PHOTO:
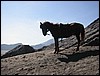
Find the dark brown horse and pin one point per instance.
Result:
(63, 31)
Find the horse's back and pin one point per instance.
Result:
(76, 28)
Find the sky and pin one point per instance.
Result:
(20, 20)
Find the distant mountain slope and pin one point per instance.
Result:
(9, 47)
(6, 47)
(39, 46)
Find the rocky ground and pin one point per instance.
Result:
(67, 62)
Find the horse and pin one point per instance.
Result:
(63, 31)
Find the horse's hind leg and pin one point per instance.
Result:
(56, 45)
(78, 38)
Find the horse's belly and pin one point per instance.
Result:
(64, 35)
(61, 35)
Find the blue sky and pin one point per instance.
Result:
(20, 19)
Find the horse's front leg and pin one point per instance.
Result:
(56, 45)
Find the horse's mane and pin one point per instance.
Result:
(67, 24)
(46, 22)
(51, 23)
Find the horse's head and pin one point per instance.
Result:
(44, 28)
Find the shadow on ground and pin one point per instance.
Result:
(78, 56)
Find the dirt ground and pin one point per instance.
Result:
(67, 62)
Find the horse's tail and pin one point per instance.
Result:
(82, 33)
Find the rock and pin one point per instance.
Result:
(20, 49)
(19, 69)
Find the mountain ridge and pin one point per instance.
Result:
(8, 47)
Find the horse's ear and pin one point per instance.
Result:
(41, 23)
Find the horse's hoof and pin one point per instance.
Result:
(73, 52)
(77, 49)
